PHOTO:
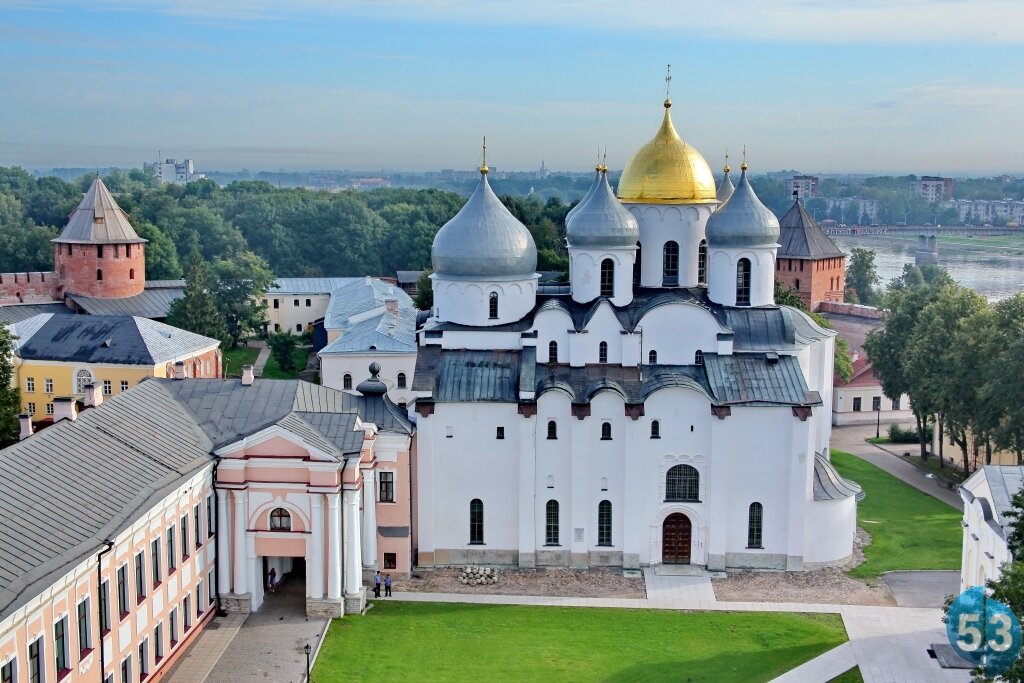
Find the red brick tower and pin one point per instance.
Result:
(808, 261)
(99, 254)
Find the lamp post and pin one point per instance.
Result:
(307, 649)
(878, 423)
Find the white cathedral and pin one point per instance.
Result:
(660, 410)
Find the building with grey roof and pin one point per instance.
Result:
(809, 262)
(988, 500)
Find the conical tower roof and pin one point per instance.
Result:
(98, 220)
(602, 221)
(801, 237)
(743, 221)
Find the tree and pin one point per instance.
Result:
(425, 291)
(1000, 398)
(241, 283)
(787, 296)
(282, 345)
(197, 311)
(10, 394)
(861, 274)
(842, 361)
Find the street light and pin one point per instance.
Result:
(878, 422)
(307, 649)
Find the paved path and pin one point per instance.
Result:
(261, 359)
(203, 654)
(852, 440)
(822, 668)
(922, 589)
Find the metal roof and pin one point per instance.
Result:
(462, 376)
(742, 221)
(98, 219)
(801, 237)
(583, 383)
(150, 303)
(726, 189)
(602, 221)
(586, 195)
(122, 340)
(758, 379)
(309, 285)
(385, 333)
(768, 328)
(360, 297)
(18, 312)
(408, 277)
(830, 485)
(70, 486)
(1003, 482)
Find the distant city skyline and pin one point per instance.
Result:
(914, 86)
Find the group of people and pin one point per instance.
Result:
(377, 582)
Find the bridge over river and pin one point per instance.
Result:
(957, 230)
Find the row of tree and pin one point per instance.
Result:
(959, 358)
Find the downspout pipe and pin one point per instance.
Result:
(217, 541)
(108, 546)
(344, 549)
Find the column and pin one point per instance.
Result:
(353, 558)
(315, 551)
(223, 544)
(333, 547)
(238, 559)
(255, 569)
(370, 519)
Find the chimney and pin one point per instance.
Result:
(64, 409)
(26, 426)
(93, 395)
(247, 376)
(391, 305)
(179, 369)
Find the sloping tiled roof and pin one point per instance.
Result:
(758, 379)
(70, 486)
(360, 297)
(98, 219)
(385, 333)
(153, 302)
(18, 312)
(1003, 482)
(309, 285)
(801, 237)
(830, 485)
(122, 340)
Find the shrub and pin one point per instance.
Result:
(899, 435)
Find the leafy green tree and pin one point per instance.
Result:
(861, 274)
(240, 284)
(1003, 349)
(424, 291)
(161, 256)
(787, 296)
(842, 361)
(10, 394)
(197, 311)
(282, 345)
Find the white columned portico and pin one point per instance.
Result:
(333, 547)
(315, 551)
(353, 557)
(369, 519)
(223, 544)
(239, 562)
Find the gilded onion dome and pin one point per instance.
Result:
(743, 221)
(602, 221)
(667, 171)
(484, 240)
(589, 193)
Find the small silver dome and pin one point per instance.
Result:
(743, 221)
(726, 189)
(587, 196)
(602, 221)
(484, 240)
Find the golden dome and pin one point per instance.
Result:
(667, 171)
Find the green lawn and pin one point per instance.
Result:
(403, 641)
(235, 358)
(909, 528)
(851, 676)
(932, 465)
(273, 371)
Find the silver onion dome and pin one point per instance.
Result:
(602, 221)
(726, 189)
(743, 221)
(588, 195)
(484, 240)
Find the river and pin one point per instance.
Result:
(992, 266)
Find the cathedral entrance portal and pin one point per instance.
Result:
(676, 535)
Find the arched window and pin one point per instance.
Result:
(553, 352)
(82, 377)
(606, 431)
(551, 523)
(99, 273)
(607, 277)
(670, 264)
(401, 380)
(493, 305)
(698, 357)
(280, 520)
(131, 273)
(636, 267)
(604, 522)
(346, 382)
(652, 358)
(682, 483)
(743, 282)
(476, 521)
(655, 429)
(755, 520)
(552, 429)
(602, 352)
(702, 263)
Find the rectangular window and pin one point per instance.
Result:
(48, 385)
(143, 659)
(198, 521)
(174, 627)
(171, 563)
(476, 522)
(104, 608)
(8, 672)
(277, 303)
(604, 523)
(60, 647)
(49, 409)
(551, 523)
(124, 385)
(186, 612)
(390, 560)
(309, 303)
(99, 251)
(31, 408)
(30, 384)
(296, 303)
(184, 537)
(108, 387)
(501, 433)
(154, 554)
(213, 587)
(126, 669)
(387, 487)
(856, 404)
(122, 591)
(876, 403)
(35, 661)
(895, 404)
(140, 577)
(209, 516)
(84, 632)
(200, 605)
(158, 642)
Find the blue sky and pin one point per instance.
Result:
(925, 86)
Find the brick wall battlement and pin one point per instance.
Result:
(28, 288)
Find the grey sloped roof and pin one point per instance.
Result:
(308, 285)
(70, 486)
(801, 237)
(408, 277)
(386, 333)
(805, 326)
(768, 328)
(361, 296)
(98, 219)
(1003, 481)
(830, 485)
(122, 340)
(18, 312)
(750, 379)
(583, 383)
(458, 376)
(25, 329)
(150, 303)
(165, 284)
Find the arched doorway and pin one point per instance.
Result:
(676, 534)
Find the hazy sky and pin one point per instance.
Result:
(926, 86)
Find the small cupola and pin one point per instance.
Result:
(726, 189)
(373, 386)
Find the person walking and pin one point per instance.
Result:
(387, 586)
(376, 584)
(272, 579)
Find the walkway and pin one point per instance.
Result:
(262, 358)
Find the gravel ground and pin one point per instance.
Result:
(830, 585)
(568, 583)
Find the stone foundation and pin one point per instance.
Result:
(552, 558)
(356, 603)
(527, 560)
(324, 608)
(631, 560)
(762, 561)
(459, 556)
(233, 603)
(606, 558)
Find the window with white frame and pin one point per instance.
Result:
(386, 486)
(30, 384)
(171, 561)
(82, 377)
(108, 387)
(49, 409)
(140, 577)
(280, 520)
(84, 630)
(60, 647)
(9, 672)
(124, 385)
(158, 641)
(31, 408)
(48, 385)
(35, 661)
